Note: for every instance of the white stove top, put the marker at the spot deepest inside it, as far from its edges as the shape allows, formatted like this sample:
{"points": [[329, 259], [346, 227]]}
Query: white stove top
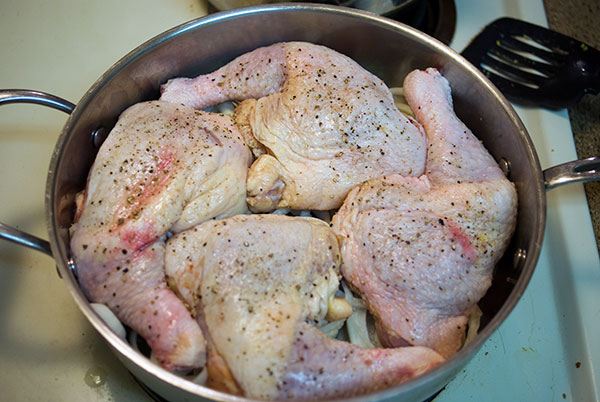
{"points": [[547, 350]]}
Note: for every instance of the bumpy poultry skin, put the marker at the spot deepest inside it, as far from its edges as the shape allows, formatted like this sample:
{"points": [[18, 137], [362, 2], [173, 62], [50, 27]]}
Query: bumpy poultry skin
{"points": [[318, 122], [324, 368], [162, 168], [421, 251], [257, 281]]}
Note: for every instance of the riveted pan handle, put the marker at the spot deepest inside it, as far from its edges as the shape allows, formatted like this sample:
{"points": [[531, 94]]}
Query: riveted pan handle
{"points": [[572, 172], [41, 98]]}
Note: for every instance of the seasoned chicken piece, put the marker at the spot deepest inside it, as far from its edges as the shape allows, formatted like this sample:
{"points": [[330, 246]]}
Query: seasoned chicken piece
{"points": [[163, 167], [257, 281], [321, 124], [421, 251], [325, 368]]}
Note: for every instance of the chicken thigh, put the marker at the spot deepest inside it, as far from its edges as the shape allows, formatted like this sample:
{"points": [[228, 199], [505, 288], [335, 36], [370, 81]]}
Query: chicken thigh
{"points": [[258, 282], [318, 122], [163, 167], [421, 251]]}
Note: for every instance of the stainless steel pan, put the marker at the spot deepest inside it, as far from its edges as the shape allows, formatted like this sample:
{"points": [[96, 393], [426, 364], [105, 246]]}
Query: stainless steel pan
{"points": [[386, 48]]}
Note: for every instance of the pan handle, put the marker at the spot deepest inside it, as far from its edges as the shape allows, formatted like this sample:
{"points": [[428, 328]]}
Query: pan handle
{"points": [[40, 98], [571, 172]]}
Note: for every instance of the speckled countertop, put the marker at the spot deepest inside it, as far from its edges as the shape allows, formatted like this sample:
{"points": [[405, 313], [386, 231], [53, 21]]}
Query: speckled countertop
{"points": [[580, 19]]}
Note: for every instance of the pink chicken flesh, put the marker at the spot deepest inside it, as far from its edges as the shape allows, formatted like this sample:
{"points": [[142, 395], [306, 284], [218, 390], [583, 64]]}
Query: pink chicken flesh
{"points": [[257, 281], [421, 251], [163, 167], [319, 123]]}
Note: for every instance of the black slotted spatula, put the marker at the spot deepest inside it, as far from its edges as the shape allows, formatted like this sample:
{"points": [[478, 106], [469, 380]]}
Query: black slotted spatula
{"points": [[534, 65]]}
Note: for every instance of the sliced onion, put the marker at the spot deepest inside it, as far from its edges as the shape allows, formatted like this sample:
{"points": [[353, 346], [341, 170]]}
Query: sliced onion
{"points": [[400, 101], [397, 91], [333, 328], [473, 322], [358, 332], [199, 378], [226, 108], [355, 302], [109, 318], [356, 324]]}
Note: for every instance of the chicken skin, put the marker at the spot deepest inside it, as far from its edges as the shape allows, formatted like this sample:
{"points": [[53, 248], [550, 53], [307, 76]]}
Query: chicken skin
{"points": [[317, 121], [421, 251], [163, 167], [258, 282]]}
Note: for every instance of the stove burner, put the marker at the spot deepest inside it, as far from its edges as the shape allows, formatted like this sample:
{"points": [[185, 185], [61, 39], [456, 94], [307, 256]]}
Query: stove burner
{"points": [[436, 18]]}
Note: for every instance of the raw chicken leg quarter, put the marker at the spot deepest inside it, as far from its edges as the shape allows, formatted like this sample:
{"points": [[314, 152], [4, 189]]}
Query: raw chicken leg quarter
{"points": [[421, 251], [163, 167], [319, 123], [258, 282]]}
